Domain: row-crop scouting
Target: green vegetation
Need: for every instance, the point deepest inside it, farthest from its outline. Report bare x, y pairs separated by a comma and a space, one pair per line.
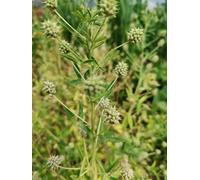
99, 91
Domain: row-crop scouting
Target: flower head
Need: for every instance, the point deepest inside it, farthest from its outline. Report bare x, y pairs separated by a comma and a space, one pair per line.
64, 47
55, 161
121, 69
127, 172
51, 4
49, 87
104, 103
108, 7
51, 29
111, 115
135, 35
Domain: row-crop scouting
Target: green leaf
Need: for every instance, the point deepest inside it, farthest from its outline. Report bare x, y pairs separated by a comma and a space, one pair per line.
77, 70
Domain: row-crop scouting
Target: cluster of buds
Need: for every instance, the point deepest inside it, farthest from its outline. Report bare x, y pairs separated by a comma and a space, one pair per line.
110, 113
127, 172
108, 8
51, 29
64, 47
121, 69
49, 87
55, 161
135, 35
51, 4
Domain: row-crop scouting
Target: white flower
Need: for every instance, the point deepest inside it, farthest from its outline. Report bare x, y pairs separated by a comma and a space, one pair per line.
135, 35
121, 69
55, 161
111, 115
51, 29
104, 103
127, 172
49, 87
108, 7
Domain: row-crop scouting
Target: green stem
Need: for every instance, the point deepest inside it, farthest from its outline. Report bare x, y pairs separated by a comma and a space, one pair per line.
99, 29
98, 129
109, 52
70, 110
78, 71
69, 168
58, 14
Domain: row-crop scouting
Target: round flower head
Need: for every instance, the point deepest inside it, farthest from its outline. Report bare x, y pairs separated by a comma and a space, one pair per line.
135, 35
111, 115
55, 161
49, 87
51, 4
104, 103
121, 69
108, 8
51, 29
64, 47
127, 172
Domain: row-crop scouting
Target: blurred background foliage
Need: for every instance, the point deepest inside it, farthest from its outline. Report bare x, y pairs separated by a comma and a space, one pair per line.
142, 133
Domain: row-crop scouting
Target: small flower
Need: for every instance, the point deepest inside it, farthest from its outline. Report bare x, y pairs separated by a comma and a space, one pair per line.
64, 47
51, 4
104, 103
111, 115
108, 8
127, 172
55, 161
51, 29
121, 69
49, 87
135, 35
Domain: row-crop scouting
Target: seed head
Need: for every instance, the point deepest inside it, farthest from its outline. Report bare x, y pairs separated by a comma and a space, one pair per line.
55, 161
108, 8
121, 69
135, 35
104, 103
111, 115
51, 4
51, 29
127, 172
64, 47
49, 87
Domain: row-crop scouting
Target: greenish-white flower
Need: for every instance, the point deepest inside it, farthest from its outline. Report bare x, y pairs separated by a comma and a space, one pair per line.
104, 103
64, 47
108, 8
127, 172
121, 69
135, 35
51, 29
111, 115
49, 87
55, 161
